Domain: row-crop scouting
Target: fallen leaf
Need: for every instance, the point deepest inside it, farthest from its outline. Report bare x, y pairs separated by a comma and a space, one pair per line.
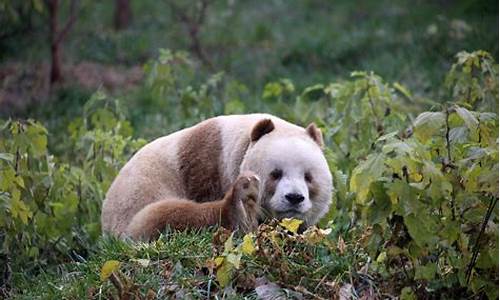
345, 292
341, 245
228, 245
234, 259
247, 247
218, 261
141, 261
223, 274
291, 225
267, 290
109, 267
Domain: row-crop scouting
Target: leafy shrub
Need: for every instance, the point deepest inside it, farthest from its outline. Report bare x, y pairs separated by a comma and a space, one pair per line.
51, 207
177, 94
428, 201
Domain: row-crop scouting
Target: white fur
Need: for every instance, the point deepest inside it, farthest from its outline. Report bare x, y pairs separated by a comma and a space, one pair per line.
295, 156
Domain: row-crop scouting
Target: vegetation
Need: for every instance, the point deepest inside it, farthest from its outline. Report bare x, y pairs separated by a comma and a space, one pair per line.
413, 150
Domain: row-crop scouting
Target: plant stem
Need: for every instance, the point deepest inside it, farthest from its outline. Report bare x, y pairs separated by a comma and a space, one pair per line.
449, 162
475, 252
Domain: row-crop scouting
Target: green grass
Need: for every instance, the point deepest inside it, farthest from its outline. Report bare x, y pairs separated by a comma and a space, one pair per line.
178, 263
183, 254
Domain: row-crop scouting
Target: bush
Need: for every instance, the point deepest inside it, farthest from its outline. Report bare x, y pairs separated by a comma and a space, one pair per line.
51, 208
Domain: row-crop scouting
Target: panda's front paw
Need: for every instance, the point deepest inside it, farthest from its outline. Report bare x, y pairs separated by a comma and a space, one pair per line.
245, 201
246, 187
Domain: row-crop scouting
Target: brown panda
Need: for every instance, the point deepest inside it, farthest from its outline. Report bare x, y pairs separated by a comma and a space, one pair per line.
230, 170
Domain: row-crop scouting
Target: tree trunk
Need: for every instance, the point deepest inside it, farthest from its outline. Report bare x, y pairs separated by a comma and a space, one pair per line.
55, 51
55, 68
123, 14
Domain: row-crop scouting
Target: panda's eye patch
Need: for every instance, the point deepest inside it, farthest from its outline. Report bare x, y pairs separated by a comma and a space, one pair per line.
308, 177
276, 174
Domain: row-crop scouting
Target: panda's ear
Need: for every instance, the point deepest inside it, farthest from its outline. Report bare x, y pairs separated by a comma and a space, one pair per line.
262, 127
315, 133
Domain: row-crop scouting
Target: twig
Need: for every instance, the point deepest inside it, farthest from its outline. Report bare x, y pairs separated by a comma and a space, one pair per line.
475, 252
304, 291
449, 163
448, 146
69, 22
118, 284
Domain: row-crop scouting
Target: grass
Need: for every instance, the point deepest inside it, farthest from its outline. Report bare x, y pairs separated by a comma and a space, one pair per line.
181, 264
182, 254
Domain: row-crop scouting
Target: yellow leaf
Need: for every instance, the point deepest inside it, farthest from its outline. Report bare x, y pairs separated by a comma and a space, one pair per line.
109, 267
315, 235
382, 257
218, 261
247, 246
224, 273
291, 225
228, 245
416, 177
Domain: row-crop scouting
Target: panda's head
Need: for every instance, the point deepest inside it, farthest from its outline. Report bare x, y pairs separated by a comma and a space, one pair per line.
296, 180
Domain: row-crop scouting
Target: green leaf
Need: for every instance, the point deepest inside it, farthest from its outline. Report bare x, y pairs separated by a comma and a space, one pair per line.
313, 93
364, 174
469, 119
272, 89
407, 294
7, 157
18, 208
419, 230
403, 90
427, 124
426, 272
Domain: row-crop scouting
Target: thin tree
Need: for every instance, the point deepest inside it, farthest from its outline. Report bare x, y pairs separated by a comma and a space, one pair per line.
57, 35
193, 23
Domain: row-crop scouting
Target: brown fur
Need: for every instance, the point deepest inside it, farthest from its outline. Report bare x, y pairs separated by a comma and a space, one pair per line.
263, 127
315, 134
269, 190
313, 189
237, 210
199, 156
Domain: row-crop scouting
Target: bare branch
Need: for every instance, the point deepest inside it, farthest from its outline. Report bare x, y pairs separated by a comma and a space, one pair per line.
73, 12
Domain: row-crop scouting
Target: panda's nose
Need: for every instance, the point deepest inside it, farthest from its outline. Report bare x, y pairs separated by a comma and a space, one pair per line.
294, 198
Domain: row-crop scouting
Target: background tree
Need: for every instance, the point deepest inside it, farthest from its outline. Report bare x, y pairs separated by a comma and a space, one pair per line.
123, 14
193, 17
57, 34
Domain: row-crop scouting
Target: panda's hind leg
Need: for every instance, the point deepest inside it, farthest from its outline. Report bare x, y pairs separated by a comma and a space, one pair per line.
237, 210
